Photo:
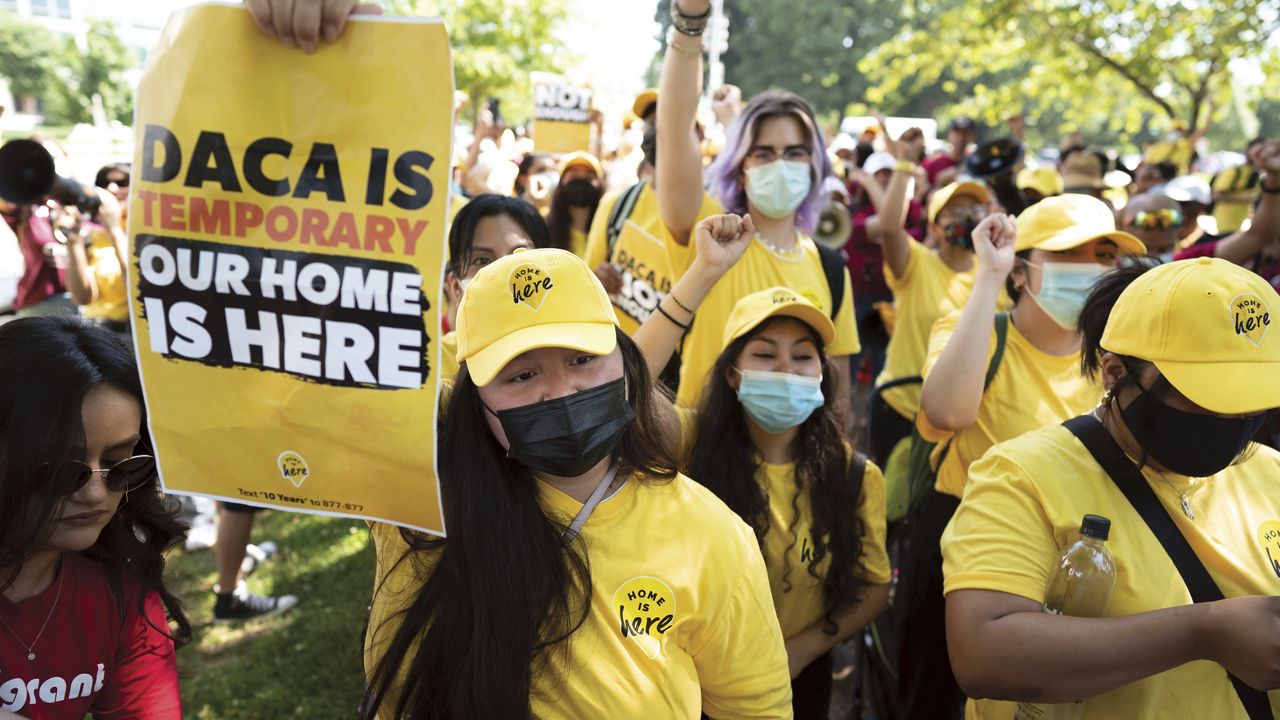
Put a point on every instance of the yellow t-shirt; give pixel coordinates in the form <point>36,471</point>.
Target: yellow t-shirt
<point>1023,506</point>
<point>1239,181</point>
<point>1178,152</point>
<point>685,576</point>
<point>1031,389</point>
<point>759,269</point>
<point>789,544</point>
<point>449,354</point>
<point>112,302</point>
<point>641,255</point>
<point>926,291</point>
<point>577,242</point>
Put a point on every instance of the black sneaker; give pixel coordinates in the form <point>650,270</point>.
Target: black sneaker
<point>241,604</point>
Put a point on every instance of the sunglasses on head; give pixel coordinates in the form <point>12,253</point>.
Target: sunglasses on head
<point>1158,219</point>
<point>66,477</point>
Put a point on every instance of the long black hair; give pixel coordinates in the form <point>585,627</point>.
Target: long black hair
<point>462,232</point>
<point>724,459</point>
<point>47,367</point>
<point>502,593</point>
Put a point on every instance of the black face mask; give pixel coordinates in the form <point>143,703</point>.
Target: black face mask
<point>567,436</point>
<point>580,193</point>
<point>1186,443</point>
<point>960,236</point>
<point>649,145</point>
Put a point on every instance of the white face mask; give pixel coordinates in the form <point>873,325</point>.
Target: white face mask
<point>1064,287</point>
<point>464,282</point>
<point>778,188</point>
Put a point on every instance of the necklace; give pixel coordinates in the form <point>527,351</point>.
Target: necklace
<point>31,652</point>
<point>785,252</point>
<point>1184,496</point>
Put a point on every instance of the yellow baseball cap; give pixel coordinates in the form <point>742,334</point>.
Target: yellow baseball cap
<point>643,101</point>
<point>940,198</point>
<point>532,299</point>
<point>1063,222</point>
<point>1044,179</point>
<point>1206,324</point>
<point>579,157</point>
<point>759,306</point>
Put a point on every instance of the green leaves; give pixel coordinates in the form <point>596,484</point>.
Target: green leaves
<point>52,68</point>
<point>496,43</point>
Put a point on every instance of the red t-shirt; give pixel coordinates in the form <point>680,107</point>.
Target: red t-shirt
<point>86,660</point>
<point>864,257</point>
<point>39,280</point>
<point>1269,271</point>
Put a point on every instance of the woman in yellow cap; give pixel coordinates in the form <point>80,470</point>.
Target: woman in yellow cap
<point>582,576</point>
<point>1191,364</point>
<point>990,378</point>
<point>767,441</point>
<point>485,229</point>
<point>575,201</point>
<point>773,165</point>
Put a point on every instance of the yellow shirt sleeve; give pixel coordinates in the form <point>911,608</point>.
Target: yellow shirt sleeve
<point>740,655</point>
<point>1000,538</point>
<point>872,510</point>
<point>846,341</point>
<point>913,261</point>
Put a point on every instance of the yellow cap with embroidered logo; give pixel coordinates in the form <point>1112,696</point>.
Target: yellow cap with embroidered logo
<point>585,159</point>
<point>969,188</point>
<point>532,299</point>
<point>1206,325</point>
<point>759,306</point>
<point>1067,221</point>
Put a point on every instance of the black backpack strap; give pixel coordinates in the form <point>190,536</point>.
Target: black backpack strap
<point>833,269</point>
<point>913,380</point>
<point>1002,339</point>
<point>1107,452</point>
<point>620,214</point>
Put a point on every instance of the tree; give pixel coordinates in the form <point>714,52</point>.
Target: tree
<point>496,44</point>
<point>810,48</point>
<point>44,65</point>
<point>34,60</point>
<point>101,71</point>
<point>1107,67</point>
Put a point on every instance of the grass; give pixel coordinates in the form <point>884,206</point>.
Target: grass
<point>305,663</point>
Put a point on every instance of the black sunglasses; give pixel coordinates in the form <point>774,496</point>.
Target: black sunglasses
<point>66,477</point>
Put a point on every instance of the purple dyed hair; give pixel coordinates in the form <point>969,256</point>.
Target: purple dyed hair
<point>723,176</point>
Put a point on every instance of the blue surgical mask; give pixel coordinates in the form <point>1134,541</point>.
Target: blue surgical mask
<point>778,188</point>
<point>779,401</point>
<point>1064,288</point>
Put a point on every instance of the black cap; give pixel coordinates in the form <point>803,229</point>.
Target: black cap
<point>962,122</point>
<point>1095,526</point>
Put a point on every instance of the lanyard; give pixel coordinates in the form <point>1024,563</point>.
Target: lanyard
<point>571,533</point>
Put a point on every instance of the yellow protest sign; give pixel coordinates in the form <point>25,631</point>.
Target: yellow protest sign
<point>561,114</point>
<point>286,229</point>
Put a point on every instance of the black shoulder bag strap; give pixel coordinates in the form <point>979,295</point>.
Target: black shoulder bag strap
<point>1091,433</point>
<point>621,212</point>
<point>833,269</point>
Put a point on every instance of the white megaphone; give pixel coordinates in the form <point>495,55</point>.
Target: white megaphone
<point>834,227</point>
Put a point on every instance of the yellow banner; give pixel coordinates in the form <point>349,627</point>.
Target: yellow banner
<point>286,226</point>
<point>561,114</point>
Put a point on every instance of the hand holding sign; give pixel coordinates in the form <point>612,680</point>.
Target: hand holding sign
<point>301,23</point>
<point>287,263</point>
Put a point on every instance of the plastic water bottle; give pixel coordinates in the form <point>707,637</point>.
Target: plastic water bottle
<point>1082,586</point>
